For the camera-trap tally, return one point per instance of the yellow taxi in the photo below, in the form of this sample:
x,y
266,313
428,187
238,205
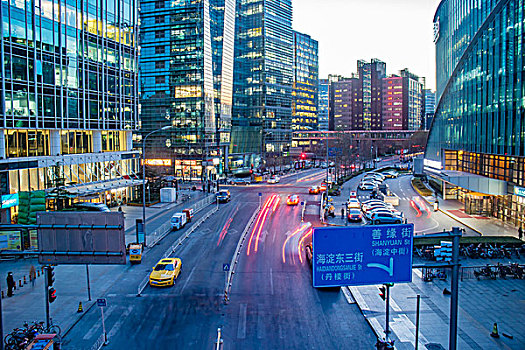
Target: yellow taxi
x,y
293,199
313,190
165,272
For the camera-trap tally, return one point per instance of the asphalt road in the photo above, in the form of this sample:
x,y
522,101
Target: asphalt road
x,y
272,303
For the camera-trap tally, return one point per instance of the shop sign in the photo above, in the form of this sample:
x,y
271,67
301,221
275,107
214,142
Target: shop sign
x,y
10,240
158,162
519,191
9,200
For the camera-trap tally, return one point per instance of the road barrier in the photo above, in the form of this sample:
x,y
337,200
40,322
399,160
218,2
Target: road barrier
x,y
237,253
160,233
178,243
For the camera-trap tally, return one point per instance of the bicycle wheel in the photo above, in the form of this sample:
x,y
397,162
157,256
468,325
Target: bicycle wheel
x,y
54,329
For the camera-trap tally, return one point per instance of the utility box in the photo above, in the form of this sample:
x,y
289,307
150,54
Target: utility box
x,y
168,194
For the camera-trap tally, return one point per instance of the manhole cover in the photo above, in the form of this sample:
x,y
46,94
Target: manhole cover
x,y
434,346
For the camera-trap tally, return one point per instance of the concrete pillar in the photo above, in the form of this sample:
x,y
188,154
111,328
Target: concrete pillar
x,y
97,141
2,144
129,140
54,142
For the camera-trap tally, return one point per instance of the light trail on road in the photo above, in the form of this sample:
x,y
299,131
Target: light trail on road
x,y
300,229
260,221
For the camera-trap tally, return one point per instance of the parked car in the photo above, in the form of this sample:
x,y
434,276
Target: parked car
x,y
223,196
353,203
367,186
314,190
292,199
368,214
240,182
391,174
354,214
274,179
178,221
88,206
374,174
385,218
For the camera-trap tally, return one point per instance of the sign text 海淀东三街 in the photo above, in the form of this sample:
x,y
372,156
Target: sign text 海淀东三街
x,y
362,255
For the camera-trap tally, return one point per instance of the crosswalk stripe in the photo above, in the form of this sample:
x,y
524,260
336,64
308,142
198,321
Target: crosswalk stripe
x,y
118,324
97,324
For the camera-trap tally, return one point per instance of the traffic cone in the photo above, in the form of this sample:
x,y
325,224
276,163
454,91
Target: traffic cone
x,y
80,308
495,333
446,292
25,281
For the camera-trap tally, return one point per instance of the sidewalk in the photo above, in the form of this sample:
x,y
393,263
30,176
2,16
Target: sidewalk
x,y
27,303
495,301
485,226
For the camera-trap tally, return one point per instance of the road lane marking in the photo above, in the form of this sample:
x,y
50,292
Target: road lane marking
x,y
260,321
158,325
281,322
348,295
187,280
271,280
118,324
241,329
144,319
98,324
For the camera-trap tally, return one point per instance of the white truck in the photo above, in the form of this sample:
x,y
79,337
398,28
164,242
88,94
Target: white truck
x,y
178,220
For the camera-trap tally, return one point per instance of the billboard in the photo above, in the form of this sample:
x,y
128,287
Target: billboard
x,y
362,255
81,238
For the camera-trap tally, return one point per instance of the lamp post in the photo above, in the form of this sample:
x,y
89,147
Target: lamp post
x,y
144,177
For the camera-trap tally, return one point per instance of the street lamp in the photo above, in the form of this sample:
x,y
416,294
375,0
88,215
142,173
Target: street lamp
x,y
144,177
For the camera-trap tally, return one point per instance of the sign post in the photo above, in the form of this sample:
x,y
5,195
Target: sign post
x,y
362,255
103,303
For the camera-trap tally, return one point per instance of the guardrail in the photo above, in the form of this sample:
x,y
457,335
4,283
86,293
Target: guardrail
x,y
160,233
171,249
237,253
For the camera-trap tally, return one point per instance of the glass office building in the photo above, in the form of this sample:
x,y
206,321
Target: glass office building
x,y
68,98
323,110
186,81
262,109
305,83
476,145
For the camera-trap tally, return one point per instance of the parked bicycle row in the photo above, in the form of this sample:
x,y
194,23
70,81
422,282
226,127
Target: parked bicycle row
x,y
476,251
21,338
500,270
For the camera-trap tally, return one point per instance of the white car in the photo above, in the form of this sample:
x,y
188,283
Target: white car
x,y
274,180
367,186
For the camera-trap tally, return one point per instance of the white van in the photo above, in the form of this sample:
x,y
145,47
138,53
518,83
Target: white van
x,y
178,220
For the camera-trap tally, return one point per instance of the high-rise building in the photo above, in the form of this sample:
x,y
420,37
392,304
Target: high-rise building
x,y
262,109
305,82
323,111
476,146
68,101
186,81
401,102
393,111
371,76
412,100
346,104
332,78
429,106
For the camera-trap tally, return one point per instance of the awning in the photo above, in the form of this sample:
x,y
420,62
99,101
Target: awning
x,y
92,188
473,182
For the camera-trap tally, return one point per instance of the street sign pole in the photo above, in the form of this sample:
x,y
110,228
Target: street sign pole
x,y
88,286
387,312
104,327
46,286
418,303
456,233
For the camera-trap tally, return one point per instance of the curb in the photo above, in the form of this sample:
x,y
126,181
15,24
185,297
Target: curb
x,y
444,212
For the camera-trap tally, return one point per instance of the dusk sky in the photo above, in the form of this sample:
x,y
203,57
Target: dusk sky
x,y
399,32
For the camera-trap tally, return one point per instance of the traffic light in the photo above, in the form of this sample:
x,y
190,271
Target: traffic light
x,y
382,292
303,156
52,294
50,276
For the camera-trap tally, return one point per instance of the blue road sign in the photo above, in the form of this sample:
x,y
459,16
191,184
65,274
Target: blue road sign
x,y
102,302
260,194
362,255
225,267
